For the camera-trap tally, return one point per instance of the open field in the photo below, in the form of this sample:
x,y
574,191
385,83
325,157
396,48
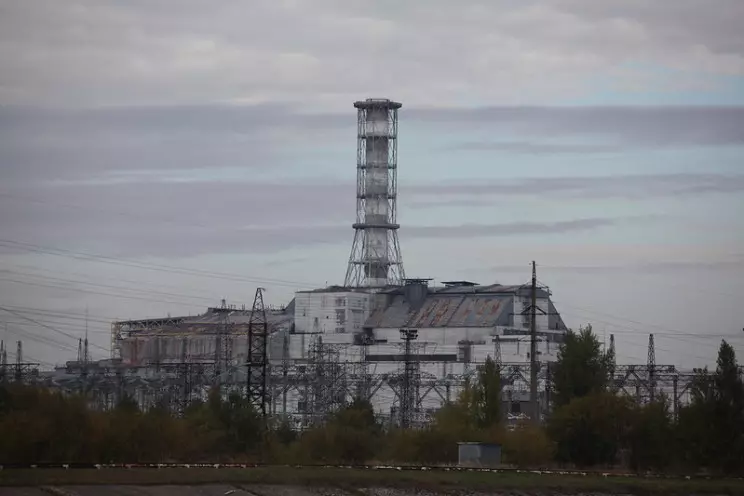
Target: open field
x,y
352,481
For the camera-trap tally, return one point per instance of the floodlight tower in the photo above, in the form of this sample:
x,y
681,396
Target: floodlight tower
x,y
375,259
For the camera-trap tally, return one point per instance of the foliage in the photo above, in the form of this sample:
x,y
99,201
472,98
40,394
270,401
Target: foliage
x,y
712,426
582,368
527,446
486,396
591,430
38,425
590,426
651,437
351,435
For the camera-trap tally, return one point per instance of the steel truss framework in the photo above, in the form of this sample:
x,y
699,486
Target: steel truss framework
x,y
375,252
324,383
257,365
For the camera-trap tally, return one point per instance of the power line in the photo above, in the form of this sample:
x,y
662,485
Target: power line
x,y
110,286
676,287
656,326
40,339
90,291
18,314
623,330
48,311
139,283
34,360
148,266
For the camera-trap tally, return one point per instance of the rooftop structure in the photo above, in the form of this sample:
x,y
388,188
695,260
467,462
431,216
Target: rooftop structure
x,y
148,341
462,304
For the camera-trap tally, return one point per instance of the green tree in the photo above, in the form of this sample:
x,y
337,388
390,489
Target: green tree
x,y
581,368
355,432
591,430
729,410
712,426
486,396
651,436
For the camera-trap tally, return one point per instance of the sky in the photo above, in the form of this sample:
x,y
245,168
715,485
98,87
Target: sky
x,y
157,156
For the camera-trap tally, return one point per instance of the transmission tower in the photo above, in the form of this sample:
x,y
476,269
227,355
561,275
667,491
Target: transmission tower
x,y
651,367
328,379
409,386
375,259
497,351
611,355
535,413
258,330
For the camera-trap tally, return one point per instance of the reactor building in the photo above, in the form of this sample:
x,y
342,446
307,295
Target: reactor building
x,y
404,344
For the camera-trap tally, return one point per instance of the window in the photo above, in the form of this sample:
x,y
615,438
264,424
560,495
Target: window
x,y
341,316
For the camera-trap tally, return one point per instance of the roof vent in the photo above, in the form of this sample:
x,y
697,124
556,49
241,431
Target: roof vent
x,y
415,291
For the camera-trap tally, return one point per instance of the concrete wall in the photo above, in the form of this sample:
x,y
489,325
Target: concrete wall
x,y
331,312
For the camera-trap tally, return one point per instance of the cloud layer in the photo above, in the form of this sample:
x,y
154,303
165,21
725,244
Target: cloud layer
x,y
321,51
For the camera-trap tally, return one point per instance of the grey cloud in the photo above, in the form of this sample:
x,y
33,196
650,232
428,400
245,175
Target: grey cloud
x,y
617,126
732,263
508,229
530,148
105,52
185,219
623,186
716,27
38,144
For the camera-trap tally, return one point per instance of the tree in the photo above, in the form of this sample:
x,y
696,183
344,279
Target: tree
x,y
350,435
712,426
651,436
354,432
581,368
486,397
729,410
591,430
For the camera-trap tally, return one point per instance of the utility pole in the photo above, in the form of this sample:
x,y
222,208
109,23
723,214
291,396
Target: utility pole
x,y
409,386
86,352
533,348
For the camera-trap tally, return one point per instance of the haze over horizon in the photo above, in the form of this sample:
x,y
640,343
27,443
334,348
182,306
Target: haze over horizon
x,y
605,140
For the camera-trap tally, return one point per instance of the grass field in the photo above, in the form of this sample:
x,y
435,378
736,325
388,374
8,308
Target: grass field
x,y
357,478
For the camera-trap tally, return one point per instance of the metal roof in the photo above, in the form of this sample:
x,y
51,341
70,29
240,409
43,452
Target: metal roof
x,y
466,305
445,310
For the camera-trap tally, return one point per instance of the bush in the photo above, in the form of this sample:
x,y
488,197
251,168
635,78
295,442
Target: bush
x,y
591,430
527,446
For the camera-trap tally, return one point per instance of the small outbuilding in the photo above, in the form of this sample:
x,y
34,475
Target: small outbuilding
x,y
478,454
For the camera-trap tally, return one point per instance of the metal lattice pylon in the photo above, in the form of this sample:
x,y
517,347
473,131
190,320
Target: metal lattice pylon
x,y
651,367
258,330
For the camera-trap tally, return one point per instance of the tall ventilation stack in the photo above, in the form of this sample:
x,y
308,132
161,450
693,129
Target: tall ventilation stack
x,y
375,259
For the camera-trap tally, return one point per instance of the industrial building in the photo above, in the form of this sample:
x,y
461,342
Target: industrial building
x,y
404,344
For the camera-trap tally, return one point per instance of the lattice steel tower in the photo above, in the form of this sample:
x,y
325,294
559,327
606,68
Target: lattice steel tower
x,y
375,255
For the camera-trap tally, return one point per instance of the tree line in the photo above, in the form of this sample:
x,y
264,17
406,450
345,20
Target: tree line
x,y
589,426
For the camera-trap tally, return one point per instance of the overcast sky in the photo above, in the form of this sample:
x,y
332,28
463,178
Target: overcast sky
x,y
157,156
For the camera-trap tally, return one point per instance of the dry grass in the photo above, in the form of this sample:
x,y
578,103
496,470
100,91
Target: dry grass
x,y
360,478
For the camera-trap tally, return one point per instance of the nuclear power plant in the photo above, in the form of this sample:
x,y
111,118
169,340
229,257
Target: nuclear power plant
x,y
406,345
